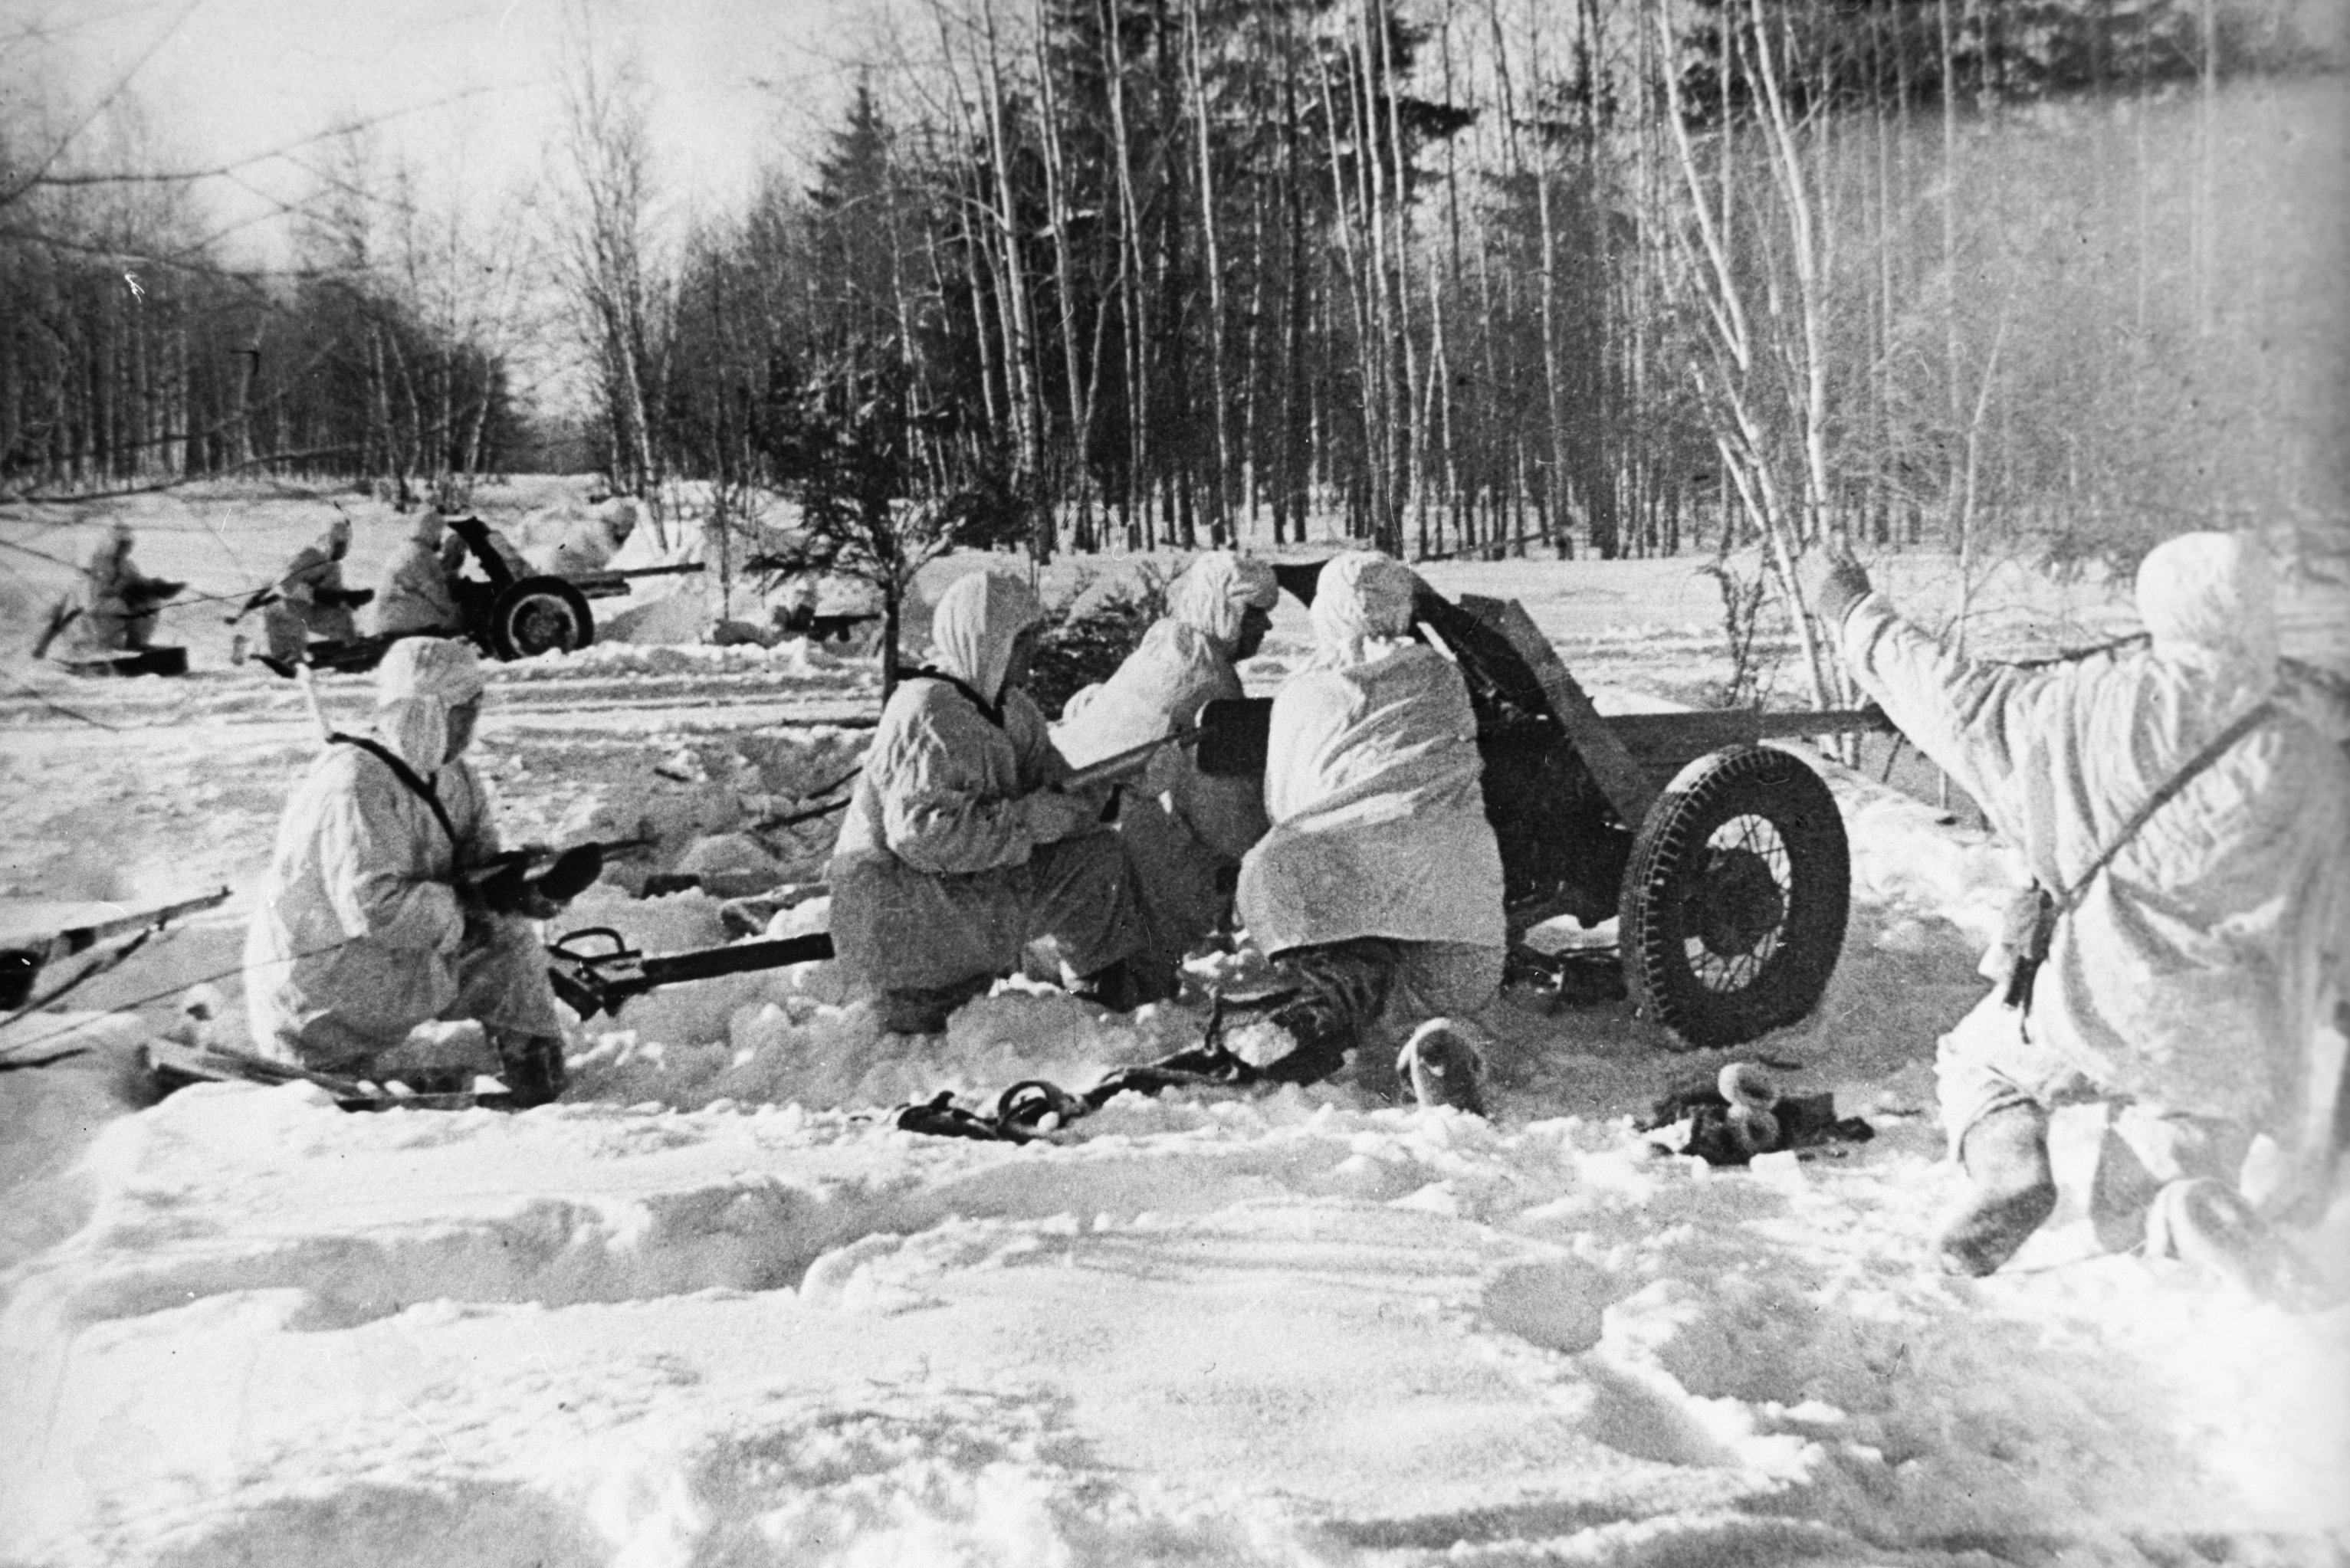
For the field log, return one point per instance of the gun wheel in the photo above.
(540, 614)
(1734, 908)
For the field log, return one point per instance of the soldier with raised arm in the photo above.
(2193, 838)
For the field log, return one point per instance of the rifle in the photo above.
(1212, 716)
(506, 882)
(329, 598)
(592, 981)
(1117, 764)
(61, 616)
(20, 967)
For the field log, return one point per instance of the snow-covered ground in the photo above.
(712, 1310)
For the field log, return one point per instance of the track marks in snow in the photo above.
(469, 1525)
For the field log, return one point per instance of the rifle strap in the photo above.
(991, 712)
(418, 785)
(2211, 753)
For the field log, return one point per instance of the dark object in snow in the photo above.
(148, 660)
(1722, 1132)
(595, 970)
(175, 1066)
(1575, 977)
(1730, 879)
(939, 1117)
(1035, 1105)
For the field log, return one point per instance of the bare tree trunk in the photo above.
(1410, 436)
(1130, 270)
(1019, 336)
(1056, 197)
(1220, 493)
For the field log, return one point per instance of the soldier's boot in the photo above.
(2010, 1191)
(1445, 1065)
(2209, 1225)
(924, 1010)
(1302, 1043)
(531, 1066)
(1127, 984)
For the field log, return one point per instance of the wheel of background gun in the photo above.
(540, 614)
(1733, 911)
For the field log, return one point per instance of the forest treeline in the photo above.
(1624, 277)
(135, 354)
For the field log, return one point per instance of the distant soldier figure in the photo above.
(311, 600)
(1184, 833)
(2182, 986)
(363, 929)
(1378, 889)
(119, 602)
(957, 851)
(415, 597)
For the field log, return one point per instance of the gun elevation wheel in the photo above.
(1734, 908)
(540, 614)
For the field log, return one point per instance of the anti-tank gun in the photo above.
(1723, 860)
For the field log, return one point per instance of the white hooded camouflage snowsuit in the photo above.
(1183, 832)
(119, 602)
(1380, 843)
(2187, 980)
(359, 935)
(938, 879)
(414, 595)
(301, 612)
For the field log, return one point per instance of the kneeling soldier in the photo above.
(957, 850)
(364, 930)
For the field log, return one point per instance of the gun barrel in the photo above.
(80, 938)
(593, 983)
(740, 958)
(1120, 763)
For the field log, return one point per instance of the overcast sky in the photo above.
(469, 86)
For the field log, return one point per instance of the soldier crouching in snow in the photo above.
(956, 850)
(1183, 832)
(416, 596)
(364, 929)
(311, 601)
(1378, 888)
(121, 603)
(2182, 984)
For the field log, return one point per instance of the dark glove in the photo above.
(1834, 582)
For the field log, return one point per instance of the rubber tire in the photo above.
(512, 635)
(1654, 916)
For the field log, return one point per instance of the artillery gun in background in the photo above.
(511, 612)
